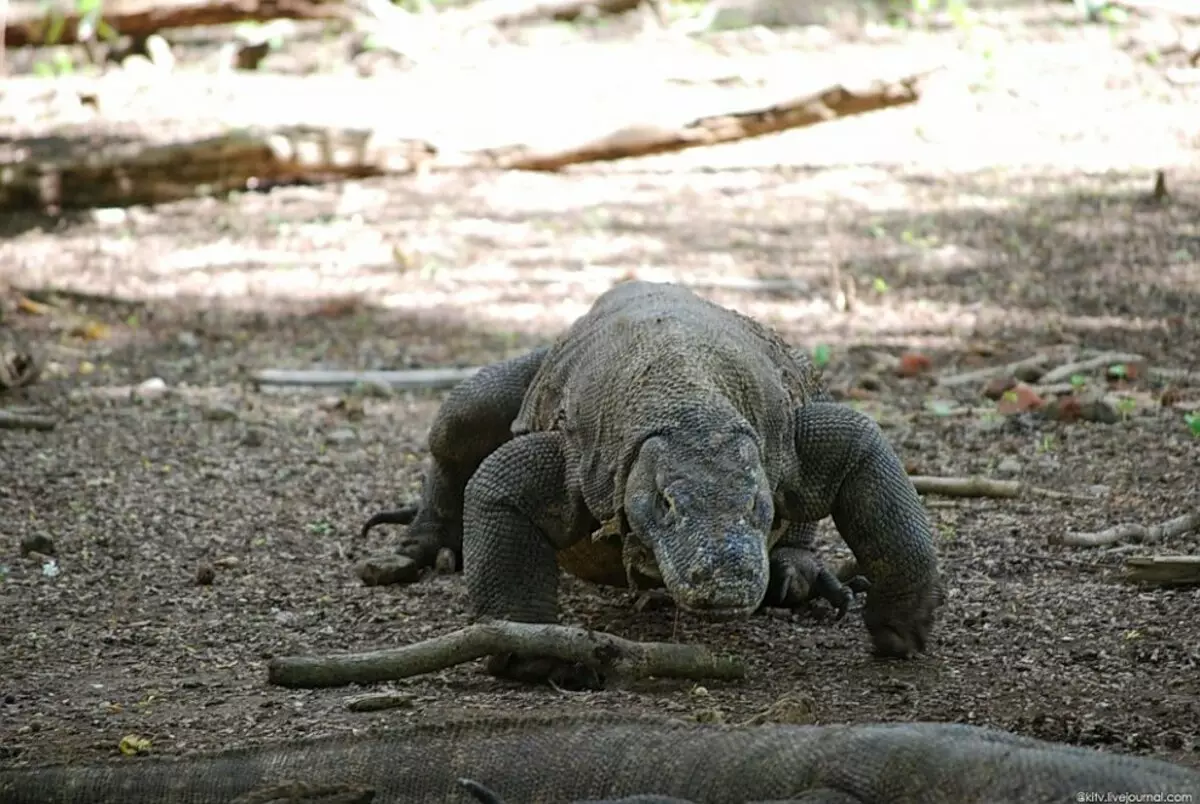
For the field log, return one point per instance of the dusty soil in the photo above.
(1009, 213)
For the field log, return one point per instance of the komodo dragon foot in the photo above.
(798, 576)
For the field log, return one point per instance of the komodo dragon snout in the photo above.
(703, 506)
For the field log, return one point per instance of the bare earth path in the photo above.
(980, 226)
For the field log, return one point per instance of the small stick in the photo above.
(1163, 570)
(613, 655)
(1131, 531)
(405, 380)
(10, 420)
(976, 486)
(1103, 360)
(992, 371)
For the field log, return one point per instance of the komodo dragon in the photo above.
(699, 448)
(556, 759)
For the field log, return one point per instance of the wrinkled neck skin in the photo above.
(698, 509)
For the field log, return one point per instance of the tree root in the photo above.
(976, 486)
(1131, 531)
(612, 655)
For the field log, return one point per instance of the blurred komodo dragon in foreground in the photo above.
(605, 758)
(666, 440)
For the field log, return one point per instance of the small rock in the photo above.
(913, 363)
(870, 382)
(188, 340)
(386, 570)
(205, 575)
(341, 436)
(109, 216)
(220, 413)
(1009, 466)
(253, 437)
(227, 562)
(445, 563)
(1029, 373)
(152, 388)
(37, 543)
(1019, 399)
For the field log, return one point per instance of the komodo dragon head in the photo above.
(701, 503)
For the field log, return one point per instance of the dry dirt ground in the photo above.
(1007, 214)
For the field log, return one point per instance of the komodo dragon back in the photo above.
(559, 759)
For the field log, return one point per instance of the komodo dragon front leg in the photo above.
(471, 424)
(847, 469)
(519, 511)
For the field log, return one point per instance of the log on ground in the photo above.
(1163, 570)
(154, 174)
(614, 657)
(144, 17)
(832, 103)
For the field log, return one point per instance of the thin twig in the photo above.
(1131, 531)
(614, 656)
(976, 486)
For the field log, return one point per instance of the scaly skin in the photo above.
(669, 441)
(605, 759)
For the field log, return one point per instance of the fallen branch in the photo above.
(611, 655)
(976, 486)
(11, 420)
(155, 174)
(822, 106)
(141, 18)
(403, 380)
(1163, 570)
(1130, 532)
(1099, 361)
(503, 13)
(979, 375)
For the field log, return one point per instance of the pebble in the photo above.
(220, 413)
(153, 388)
(205, 575)
(188, 340)
(1009, 466)
(386, 570)
(254, 437)
(341, 436)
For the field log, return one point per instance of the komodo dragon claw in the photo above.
(480, 793)
(399, 516)
(798, 576)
